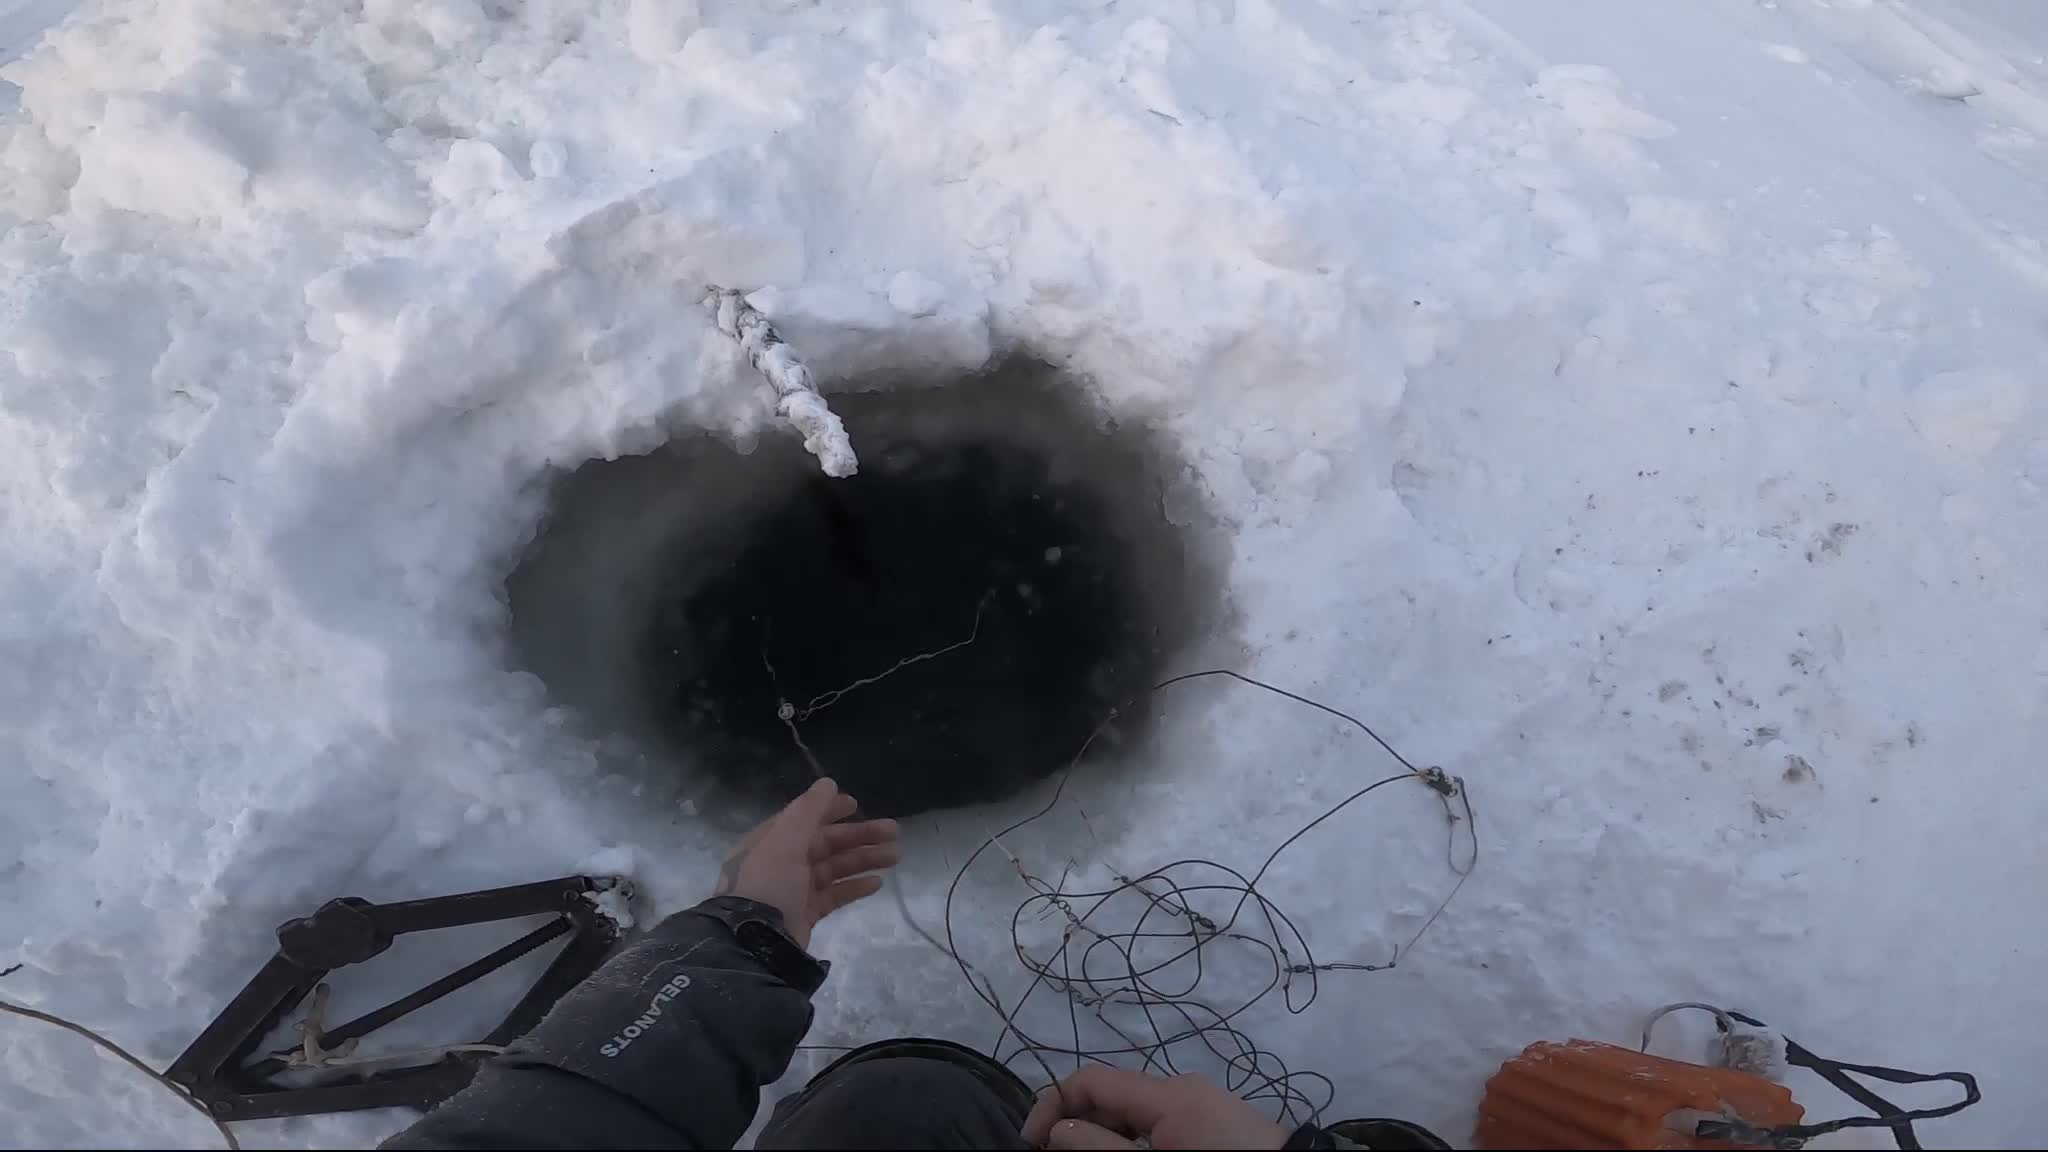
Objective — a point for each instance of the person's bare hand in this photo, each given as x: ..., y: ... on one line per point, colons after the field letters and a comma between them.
x: 1111, y: 1108
x: 807, y: 862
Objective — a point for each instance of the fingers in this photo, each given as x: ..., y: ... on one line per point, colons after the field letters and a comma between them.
x: 1126, y: 1101
x: 843, y: 805
x: 846, y: 892
x: 840, y: 837
x: 843, y: 850
x: 813, y: 809
x: 853, y: 862
x: 1045, y: 1112
x: 798, y: 823
x: 1082, y: 1134
x: 798, y: 820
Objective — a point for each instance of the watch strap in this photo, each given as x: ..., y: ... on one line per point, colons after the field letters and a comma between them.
x: 760, y: 932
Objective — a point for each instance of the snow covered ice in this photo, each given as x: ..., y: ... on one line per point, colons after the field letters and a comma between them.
x: 1634, y: 408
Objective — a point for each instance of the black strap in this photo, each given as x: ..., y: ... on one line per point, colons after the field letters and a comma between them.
x: 760, y: 932
x: 1308, y: 1138
x: 1835, y: 1072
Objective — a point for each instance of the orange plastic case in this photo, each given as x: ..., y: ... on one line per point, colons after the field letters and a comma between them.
x: 1584, y: 1094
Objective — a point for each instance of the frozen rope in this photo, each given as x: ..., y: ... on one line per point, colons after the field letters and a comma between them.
x: 799, y: 403
x: 1757, y: 1051
x: 109, y: 1046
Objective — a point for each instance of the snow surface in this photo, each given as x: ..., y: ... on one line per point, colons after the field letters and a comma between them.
x: 1634, y: 408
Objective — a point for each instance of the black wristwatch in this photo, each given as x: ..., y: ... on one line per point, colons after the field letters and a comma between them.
x: 758, y: 929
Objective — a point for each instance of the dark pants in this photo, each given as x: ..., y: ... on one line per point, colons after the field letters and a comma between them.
x: 904, y: 1094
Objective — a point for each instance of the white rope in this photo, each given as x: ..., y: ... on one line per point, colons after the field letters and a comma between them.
x: 313, y: 1051
x: 337, y: 1058
x: 800, y: 404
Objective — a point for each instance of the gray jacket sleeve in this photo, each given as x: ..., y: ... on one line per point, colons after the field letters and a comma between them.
x: 665, y: 1046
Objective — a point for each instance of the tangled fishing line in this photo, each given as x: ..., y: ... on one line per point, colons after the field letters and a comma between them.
x: 1153, y: 967
x: 1144, y: 982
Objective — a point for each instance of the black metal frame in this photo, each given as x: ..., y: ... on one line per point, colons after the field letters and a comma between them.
x: 216, y: 1069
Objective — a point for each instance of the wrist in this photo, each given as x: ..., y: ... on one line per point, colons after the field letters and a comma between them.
x: 728, y: 908
x: 762, y: 932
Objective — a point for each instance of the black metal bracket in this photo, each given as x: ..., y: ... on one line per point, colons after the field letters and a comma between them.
x: 217, y: 1068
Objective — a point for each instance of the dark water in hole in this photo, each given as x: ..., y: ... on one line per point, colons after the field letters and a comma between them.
x: 661, y: 589
x: 846, y: 578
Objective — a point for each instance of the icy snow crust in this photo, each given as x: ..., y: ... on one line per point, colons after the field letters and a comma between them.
x: 1634, y: 409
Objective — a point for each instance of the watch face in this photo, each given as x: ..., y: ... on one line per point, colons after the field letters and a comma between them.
x: 755, y: 935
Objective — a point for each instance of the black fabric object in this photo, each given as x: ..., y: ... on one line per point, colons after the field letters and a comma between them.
x: 911, y: 1094
x: 606, y: 1069
x: 1383, y: 1134
x: 1309, y: 1138
x: 666, y: 1046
